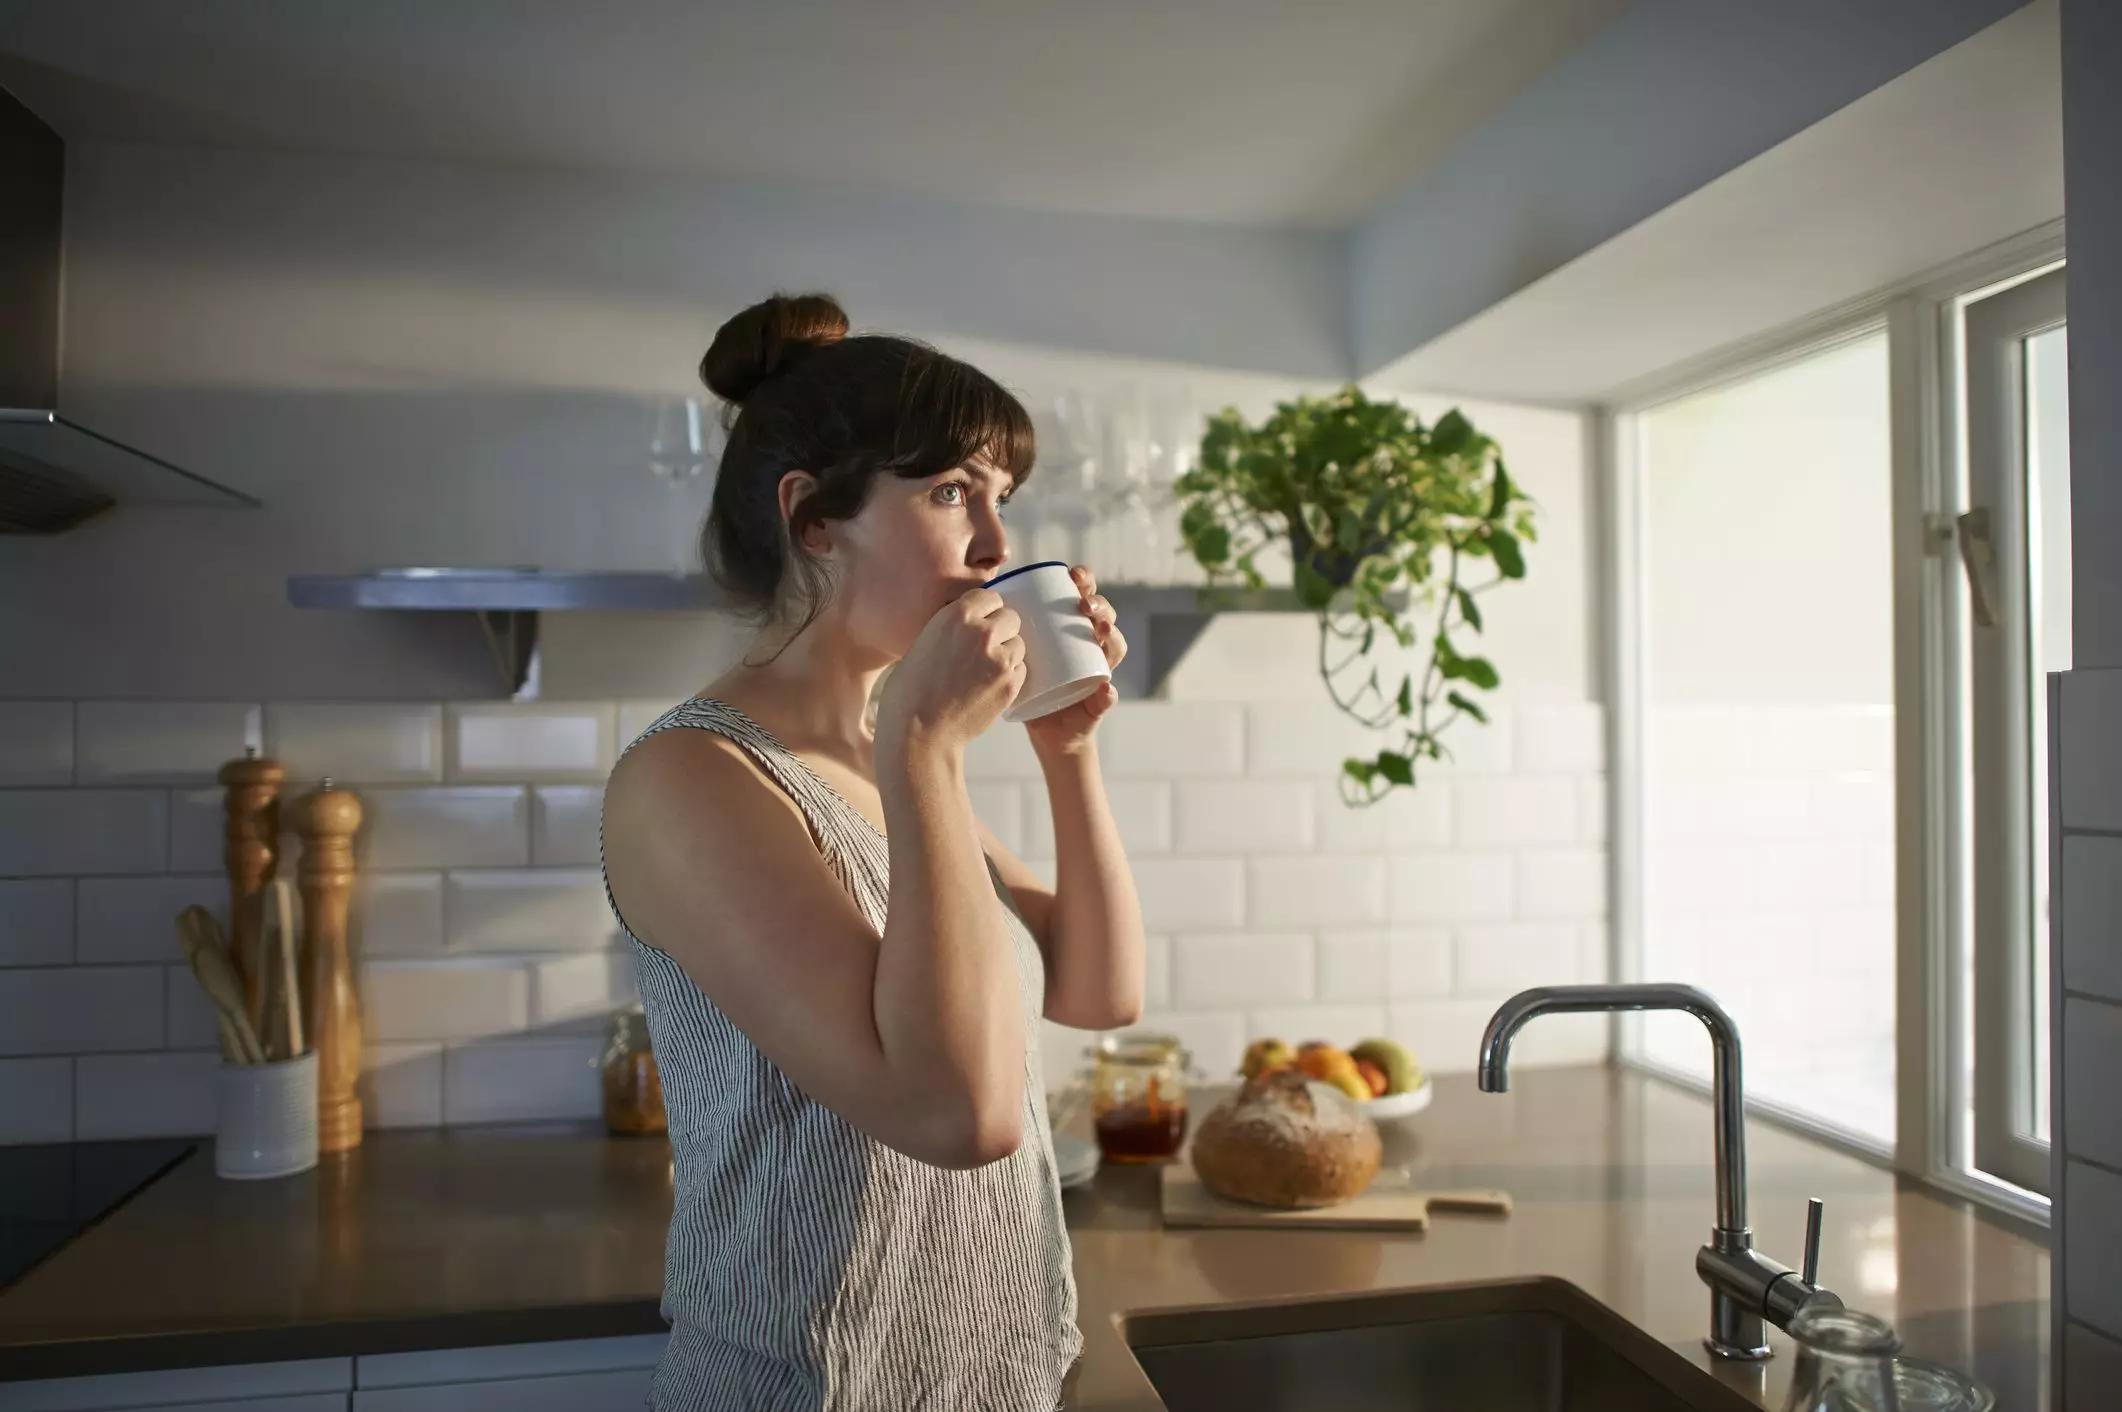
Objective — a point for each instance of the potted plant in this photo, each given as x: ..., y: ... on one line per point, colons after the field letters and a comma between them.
x: 1392, y: 527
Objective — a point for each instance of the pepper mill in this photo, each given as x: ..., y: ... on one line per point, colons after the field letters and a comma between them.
x: 252, y: 857
x: 327, y: 818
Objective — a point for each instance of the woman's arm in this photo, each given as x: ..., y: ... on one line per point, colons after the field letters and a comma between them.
x: 1089, y: 924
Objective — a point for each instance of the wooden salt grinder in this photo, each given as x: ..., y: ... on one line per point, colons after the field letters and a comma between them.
x: 327, y: 818
x: 252, y: 857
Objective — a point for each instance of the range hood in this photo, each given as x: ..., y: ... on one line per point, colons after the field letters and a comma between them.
x: 54, y: 471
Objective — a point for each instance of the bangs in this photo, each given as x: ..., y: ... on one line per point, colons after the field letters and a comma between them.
x: 950, y: 413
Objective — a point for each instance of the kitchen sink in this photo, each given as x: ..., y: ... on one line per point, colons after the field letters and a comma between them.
x: 1538, y: 1345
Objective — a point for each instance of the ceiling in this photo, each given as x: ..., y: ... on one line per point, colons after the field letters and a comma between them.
x: 1256, y: 112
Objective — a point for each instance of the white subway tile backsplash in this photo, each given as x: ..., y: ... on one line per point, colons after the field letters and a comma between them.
x: 1418, y: 962
x: 355, y: 743
x: 637, y: 716
x: 79, y: 832
x: 1002, y: 752
x: 1341, y: 1025
x: 162, y: 742
x: 451, y: 999
x: 466, y: 826
x: 80, y: 1009
x: 1172, y: 740
x: 1352, y: 965
x: 198, y: 832
x: 1213, y: 971
x: 1156, y: 971
x: 397, y: 914
x: 2092, y: 1045
x: 36, y: 1100
x: 401, y: 1085
x: 1318, y: 890
x: 1560, y: 739
x: 1303, y: 740
x: 1791, y: 877
x: 1401, y: 818
x: 508, y: 741
x: 36, y: 921
x: 1561, y: 883
x: 1000, y: 805
x: 1243, y: 816
x: 144, y: 1095
x: 1452, y: 887
x: 1142, y: 812
x: 2091, y: 907
x: 1502, y: 812
x: 1190, y: 893
x: 580, y: 992
x: 1510, y: 957
x: 529, y: 909
x: 188, y: 1017
x: 1820, y: 739
x: 135, y: 919
x: 36, y: 742
x: 1591, y: 810
x: 515, y: 1080
x: 1685, y: 740
x: 1215, y: 1038
x: 2092, y: 1275
x: 565, y: 819
x: 1443, y: 1035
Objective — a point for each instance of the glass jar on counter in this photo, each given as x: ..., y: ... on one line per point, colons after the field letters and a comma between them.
x: 633, y: 1089
x: 1138, y: 1096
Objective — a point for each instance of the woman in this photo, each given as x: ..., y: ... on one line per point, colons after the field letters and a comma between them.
x: 843, y: 970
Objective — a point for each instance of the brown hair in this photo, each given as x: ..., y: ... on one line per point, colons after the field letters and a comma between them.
x: 805, y: 396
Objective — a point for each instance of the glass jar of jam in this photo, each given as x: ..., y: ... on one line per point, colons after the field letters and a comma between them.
x: 1138, y: 1096
x: 633, y: 1089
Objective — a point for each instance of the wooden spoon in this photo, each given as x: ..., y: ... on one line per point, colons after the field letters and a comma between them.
x: 199, y: 934
x: 287, y: 1019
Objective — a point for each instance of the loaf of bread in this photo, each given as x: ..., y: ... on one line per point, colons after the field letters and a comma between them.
x: 1288, y: 1141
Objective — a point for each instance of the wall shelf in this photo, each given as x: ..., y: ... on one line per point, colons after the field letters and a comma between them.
x: 1162, y: 621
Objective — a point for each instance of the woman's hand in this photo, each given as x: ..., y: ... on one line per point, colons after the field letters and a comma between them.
x: 1069, y: 729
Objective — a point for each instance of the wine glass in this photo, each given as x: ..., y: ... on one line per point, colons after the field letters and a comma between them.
x: 683, y: 441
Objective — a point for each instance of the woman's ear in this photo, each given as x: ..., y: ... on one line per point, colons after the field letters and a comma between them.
x: 794, y: 487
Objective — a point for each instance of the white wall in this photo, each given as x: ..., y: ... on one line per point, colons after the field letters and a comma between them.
x: 414, y: 365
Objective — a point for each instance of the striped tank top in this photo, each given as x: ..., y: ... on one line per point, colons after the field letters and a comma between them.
x: 808, y: 1265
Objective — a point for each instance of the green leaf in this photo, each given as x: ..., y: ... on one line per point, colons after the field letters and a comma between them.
x: 1467, y: 706
x: 1315, y: 523
x: 1406, y: 701
x: 1469, y: 610
x: 1361, y: 771
x: 1500, y: 494
x: 1211, y: 545
x: 1348, y: 531
x: 1313, y: 590
x: 1478, y: 671
x: 1450, y: 435
x: 1397, y: 768
x: 1510, y: 561
x: 1370, y: 633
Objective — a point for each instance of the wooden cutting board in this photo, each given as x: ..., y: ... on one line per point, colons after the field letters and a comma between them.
x: 1392, y: 1202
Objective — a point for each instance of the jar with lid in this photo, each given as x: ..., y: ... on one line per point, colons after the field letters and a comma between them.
x: 1138, y: 1096
x: 633, y: 1089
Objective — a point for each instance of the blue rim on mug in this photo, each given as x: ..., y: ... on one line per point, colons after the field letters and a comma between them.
x: 1042, y: 564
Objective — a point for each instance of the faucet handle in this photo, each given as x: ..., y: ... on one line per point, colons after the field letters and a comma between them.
x: 1810, y: 1273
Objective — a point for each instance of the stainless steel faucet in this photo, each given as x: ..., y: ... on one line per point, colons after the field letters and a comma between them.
x: 1744, y: 1287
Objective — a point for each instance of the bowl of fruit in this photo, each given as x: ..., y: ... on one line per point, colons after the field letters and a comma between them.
x: 1377, y: 1073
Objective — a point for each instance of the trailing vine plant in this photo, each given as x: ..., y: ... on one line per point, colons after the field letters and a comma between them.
x: 1393, y: 529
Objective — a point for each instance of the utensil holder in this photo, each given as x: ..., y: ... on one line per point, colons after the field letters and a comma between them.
x: 266, y: 1118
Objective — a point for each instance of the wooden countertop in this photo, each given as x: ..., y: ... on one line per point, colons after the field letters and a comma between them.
x: 445, y: 1237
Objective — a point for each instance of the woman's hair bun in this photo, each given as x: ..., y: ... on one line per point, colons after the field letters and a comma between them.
x: 757, y: 343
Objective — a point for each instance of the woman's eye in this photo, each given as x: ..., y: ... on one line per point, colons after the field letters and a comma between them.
x: 958, y: 486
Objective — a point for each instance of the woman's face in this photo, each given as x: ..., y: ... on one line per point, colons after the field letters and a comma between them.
x: 915, y: 546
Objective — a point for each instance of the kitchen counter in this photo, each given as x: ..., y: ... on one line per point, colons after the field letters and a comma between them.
x: 449, y: 1237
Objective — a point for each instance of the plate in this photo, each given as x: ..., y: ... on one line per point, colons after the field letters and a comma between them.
x: 1399, y: 1105
x: 1075, y: 1161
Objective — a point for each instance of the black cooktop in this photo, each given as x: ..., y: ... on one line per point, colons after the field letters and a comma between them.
x: 50, y: 1193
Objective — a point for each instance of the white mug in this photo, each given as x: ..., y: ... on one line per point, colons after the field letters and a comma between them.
x: 266, y: 1118
x: 1063, y: 662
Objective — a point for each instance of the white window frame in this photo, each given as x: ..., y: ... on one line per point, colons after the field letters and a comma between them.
x: 1932, y: 916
